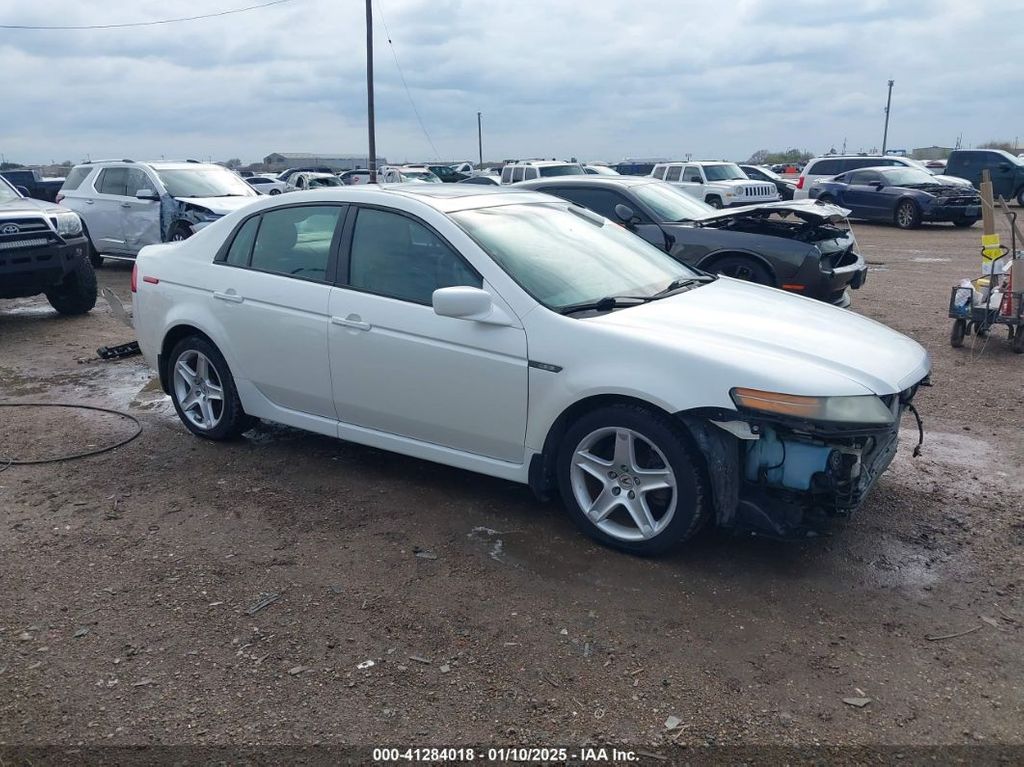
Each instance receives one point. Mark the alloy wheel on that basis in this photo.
(623, 483)
(198, 389)
(905, 215)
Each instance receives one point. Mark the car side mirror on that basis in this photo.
(23, 191)
(878, 185)
(1004, 166)
(464, 302)
(626, 214)
(146, 194)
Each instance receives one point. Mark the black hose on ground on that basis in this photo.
(7, 462)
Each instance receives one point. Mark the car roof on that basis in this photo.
(445, 198)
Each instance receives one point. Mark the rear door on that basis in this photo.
(104, 211)
(271, 297)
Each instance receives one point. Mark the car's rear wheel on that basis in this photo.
(1017, 340)
(630, 479)
(713, 201)
(965, 223)
(956, 335)
(179, 232)
(1020, 198)
(908, 215)
(272, 192)
(743, 268)
(76, 294)
(203, 390)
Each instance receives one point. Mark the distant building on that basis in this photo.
(278, 161)
(931, 153)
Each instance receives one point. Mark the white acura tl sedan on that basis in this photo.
(517, 335)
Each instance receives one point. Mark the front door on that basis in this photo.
(140, 219)
(399, 368)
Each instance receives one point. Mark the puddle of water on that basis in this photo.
(931, 260)
(489, 536)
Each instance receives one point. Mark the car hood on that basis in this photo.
(778, 339)
(29, 205)
(952, 180)
(806, 210)
(219, 205)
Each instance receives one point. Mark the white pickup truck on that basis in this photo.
(719, 184)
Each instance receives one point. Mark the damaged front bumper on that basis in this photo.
(787, 477)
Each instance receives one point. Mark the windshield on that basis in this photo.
(907, 177)
(7, 192)
(724, 172)
(547, 171)
(670, 204)
(204, 182)
(563, 258)
(419, 175)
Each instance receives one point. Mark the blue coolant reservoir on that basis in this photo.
(785, 463)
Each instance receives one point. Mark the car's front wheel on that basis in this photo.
(743, 268)
(76, 293)
(908, 215)
(274, 192)
(179, 232)
(630, 480)
(713, 201)
(965, 223)
(203, 390)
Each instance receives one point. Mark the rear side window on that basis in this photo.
(660, 172)
(241, 247)
(674, 173)
(506, 174)
(296, 242)
(530, 174)
(826, 168)
(517, 173)
(113, 181)
(75, 178)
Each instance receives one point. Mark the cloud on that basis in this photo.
(601, 79)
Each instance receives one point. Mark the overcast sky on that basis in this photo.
(597, 79)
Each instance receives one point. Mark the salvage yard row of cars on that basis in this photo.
(532, 327)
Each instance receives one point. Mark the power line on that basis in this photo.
(401, 74)
(147, 23)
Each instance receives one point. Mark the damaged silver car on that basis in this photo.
(125, 205)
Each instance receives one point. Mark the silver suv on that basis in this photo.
(125, 205)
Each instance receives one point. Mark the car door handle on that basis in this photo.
(352, 321)
(232, 297)
(126, 204)
(89, 202)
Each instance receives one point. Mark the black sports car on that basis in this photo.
(799, 246)
(900, 195)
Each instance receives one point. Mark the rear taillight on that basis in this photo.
(60, 198)
(800, 183)
(135, 277)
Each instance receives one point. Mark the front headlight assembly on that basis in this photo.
(68, 224)
(865, 409)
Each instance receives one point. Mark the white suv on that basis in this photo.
(530, 170)
(125, 205)
(719, 184)
(405, 174)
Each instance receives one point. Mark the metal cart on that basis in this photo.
(967, 317)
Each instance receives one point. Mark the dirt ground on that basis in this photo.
(131, 580)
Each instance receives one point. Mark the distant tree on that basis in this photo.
(765, 157)
(67, 163)
(10, 165)
(760, 157)
(233, 163)
(1006, 146)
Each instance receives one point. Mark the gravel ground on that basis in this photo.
(131, 607)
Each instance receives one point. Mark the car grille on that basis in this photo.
(758, 190)
(32, 233)
(963, 200)
(839, 258)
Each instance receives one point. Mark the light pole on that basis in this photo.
(372, 160)
(888, 105)
(480, 138)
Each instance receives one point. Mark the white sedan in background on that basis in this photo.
(519, 336)
(267, 185)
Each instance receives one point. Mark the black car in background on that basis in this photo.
(900, 195)
(785, 186)
(1005, 170)
(447, 173)
(798, 246)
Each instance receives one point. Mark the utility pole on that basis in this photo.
(480, 138)
(372, 159)
(888, 105)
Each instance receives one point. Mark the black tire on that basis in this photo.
(231, 418)
(826, 199)
(956, 335)
(272, 192)
(94, 257)
(1020, 198)
(714, 201)
(179, 232)
(689, 509)
(908, 215)
(965, 223)
(76, 294)
(743, 268)
(1017, 342)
